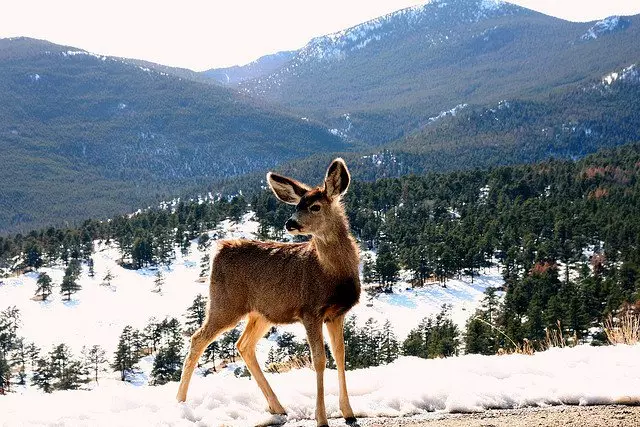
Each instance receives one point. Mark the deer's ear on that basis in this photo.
(337, 180)
(286, 189)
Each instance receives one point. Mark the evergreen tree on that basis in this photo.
(209, 355)
(368, 270)
(45, 286)
(68, 372)
(70, 283)
(167, 365)
(389, 344)
(204, 242)
(228, 345)
(153, 333)
(95, 358)
(5, 375)
(387, 267)
(437, 337)
(92, 271)
(108, 278)
(33, 352)
(158, 282)
(125, 358)
(205, 266)
(274, 358)
(196, 313)
(43, 376)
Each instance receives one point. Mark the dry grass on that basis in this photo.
(293, 362)
(623, 329)
(556, 338)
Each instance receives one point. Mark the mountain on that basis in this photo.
(381, 80)
(263, 66)
(567, 123)
(87, 135)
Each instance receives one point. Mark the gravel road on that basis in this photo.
(555, 416)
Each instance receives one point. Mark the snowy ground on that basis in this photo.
(578, 376)
(97, 314)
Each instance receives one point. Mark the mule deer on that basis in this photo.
(276, 283)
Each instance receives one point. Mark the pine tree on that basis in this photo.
(153, 333)
(5, 375)
(9, 324)
(389, 344)
(204, 242)
(196, 313)
(92, 271)
(20, 358)
(167, 365)
(68, 372)
(70, 283)
(209, 355)
(33, 352)
(158, 282)
(478, 338)
(43, 376)
(125, 358)
(228, 344)
(45, 286)
(387, 267)
(108, 277)
(368, 270)
(274, 358)
(205, 266)
(371, 338)
(95, 358)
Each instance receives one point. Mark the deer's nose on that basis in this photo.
(292, 224)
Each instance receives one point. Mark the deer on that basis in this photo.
(270, 283)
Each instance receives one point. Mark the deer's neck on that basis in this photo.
(337, 251)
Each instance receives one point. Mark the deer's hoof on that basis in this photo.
(352, 422)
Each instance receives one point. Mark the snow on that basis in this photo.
(573, 376)
(97, 314)
(604, 26)
(406, 307)
(629, 73)
(452, 112)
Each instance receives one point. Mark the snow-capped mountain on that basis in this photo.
(391, 74)
(607, 25)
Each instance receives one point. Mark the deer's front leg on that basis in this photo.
(316, 343)
(335, 328)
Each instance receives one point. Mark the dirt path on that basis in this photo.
(555, 416)
(578, 416)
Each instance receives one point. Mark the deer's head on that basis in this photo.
(318, 210)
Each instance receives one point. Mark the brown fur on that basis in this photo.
(275, 283)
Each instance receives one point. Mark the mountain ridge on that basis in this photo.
(70, 114)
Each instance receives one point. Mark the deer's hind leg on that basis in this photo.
(214, 325)
(256, 327)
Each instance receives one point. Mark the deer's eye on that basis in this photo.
(314, 208)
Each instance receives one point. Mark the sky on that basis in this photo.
(199, 34)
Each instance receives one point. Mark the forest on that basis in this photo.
(565, 234)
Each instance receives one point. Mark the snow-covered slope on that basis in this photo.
(578, 376)
(97, 314)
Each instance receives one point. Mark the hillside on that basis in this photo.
(86, 135)
(568, 123)
(382, 79)
(261, 67)
(525, 258)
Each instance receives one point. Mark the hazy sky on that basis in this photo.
(206, 34)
